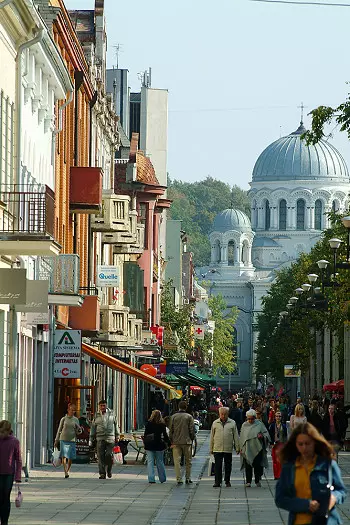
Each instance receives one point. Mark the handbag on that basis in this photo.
(56, 458)
(19, 497)
(321, 516)
(211, 465)
(117, 455)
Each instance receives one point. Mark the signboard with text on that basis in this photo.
(67, 354)
(107, 276)
(177, 367)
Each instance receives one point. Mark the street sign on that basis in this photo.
(107, 276)
(67, 354)
(177, 367)
(199, 331)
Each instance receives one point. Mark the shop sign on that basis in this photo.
(13, 286)
(290, 371)
(199, 331)
(34, 318)
(67, 354)
(107, 276)
(177, 367)
(37, 297)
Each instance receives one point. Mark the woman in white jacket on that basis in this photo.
(223, 438)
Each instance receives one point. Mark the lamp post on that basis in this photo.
(334, 243)
(322, 264)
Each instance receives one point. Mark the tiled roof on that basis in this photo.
(145, 169)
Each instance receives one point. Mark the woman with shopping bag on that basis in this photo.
(10, 468)
(156, 440)
(69, 428)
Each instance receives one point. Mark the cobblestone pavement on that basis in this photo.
(128, 498)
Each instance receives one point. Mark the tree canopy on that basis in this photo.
(197, 204)
(292, 341)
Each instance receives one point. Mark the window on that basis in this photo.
(300, 214)
(283, 215)
(335, 206)
(267, 215)
(231, 253)
(318, 215)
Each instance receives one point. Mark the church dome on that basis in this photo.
(289, 158)
(230, 219)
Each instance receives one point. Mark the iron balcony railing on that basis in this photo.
(29, 210)
(62, 272)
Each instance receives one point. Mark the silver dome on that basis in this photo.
(289, 158)
(230, 219)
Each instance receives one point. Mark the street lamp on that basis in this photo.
(293, 300)
(312, 277)
(306, 287)
(299, 291)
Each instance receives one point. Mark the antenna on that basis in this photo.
(117, 51)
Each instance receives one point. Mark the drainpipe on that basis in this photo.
(78, 80)
(90, 235)
(38, 38)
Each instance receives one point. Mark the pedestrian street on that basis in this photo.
(128, 498)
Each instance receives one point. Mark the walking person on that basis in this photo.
(105, 430)
(181, 436)
(10, 468)
(278, 434)
(253, 444)
(223, 438)
(68, 429)
(298, 418)
(310, 486)
(156, 440)
(315, 417)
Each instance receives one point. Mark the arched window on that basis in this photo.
(335, 206)
(231, 253)
(217, 253)
(267, 215)
(254, 215)
(318, 215)
(283, 215)
(300, 214)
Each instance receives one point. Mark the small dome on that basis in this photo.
(289, 158)
(230, 219)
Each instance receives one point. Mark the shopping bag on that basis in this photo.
(211, 465)
(19, 497)
(56, 458)
(117, 455)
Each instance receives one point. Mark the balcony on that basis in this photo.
(27, 220)
(63, 274)
(135, 330)
(86, 317)
(116, 215)
(114, 325)
(85, 190)
(136, 247)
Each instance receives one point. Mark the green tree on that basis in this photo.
(177, 325)
(292, 341)
(223, 338)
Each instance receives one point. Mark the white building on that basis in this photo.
(293, 187)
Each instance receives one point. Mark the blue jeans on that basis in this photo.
(158, 456)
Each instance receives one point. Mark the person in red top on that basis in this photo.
(10, 468)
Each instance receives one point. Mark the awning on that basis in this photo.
(337, 386)
(115, 364)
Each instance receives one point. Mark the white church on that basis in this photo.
(293, 187)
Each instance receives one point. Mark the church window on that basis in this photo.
(255, 215)
(335, 206)
(217, 252)
(267, 215)
(231, 253)
(283, 215)
(318, 215)
(300, 214)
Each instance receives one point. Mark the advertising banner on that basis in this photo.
(37, 297)
(290, 371)
(107, 276)
(67, 354)
(177, 367)
(13, 286)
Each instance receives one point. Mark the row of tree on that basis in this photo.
(291, 340)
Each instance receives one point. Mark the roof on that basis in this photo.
(264, 242)
(231, 219)
(145, 169)
(290, 158)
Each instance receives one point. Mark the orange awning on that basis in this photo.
(118, 365)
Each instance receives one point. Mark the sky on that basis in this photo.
(236, 71)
